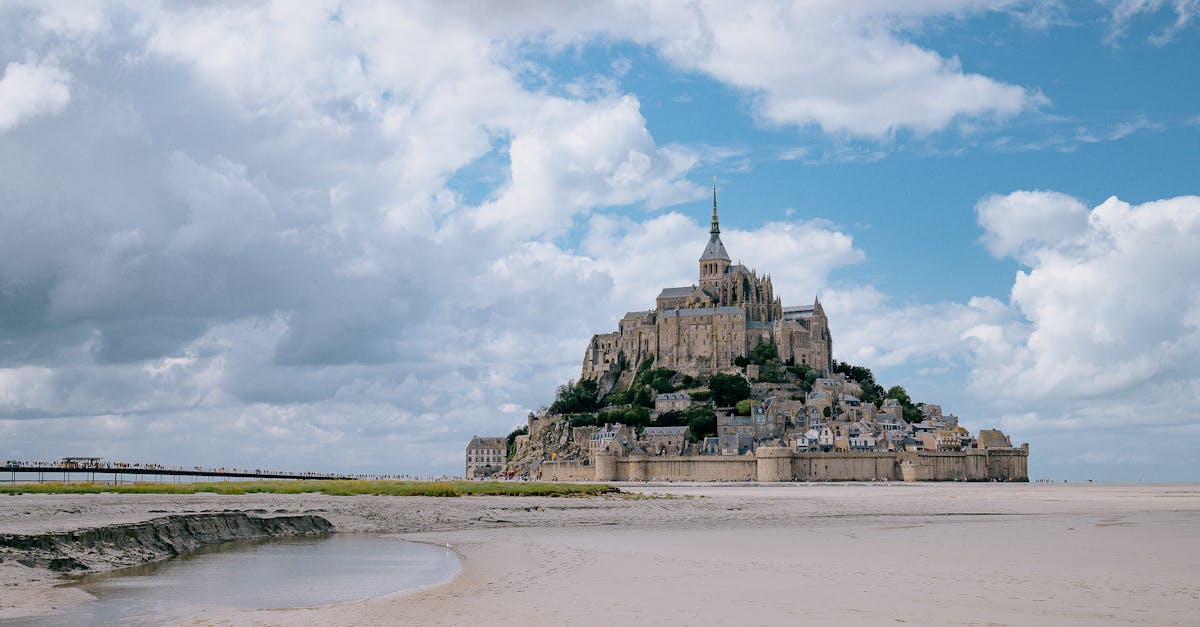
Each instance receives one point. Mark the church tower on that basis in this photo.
(715, 260)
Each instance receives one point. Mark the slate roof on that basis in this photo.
(673, 396)
(675, 292)
(795, 313)
(663, 431)
(715, 249)
(703, 311)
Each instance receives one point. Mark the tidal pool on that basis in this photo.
(265, 574)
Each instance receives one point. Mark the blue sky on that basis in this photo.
(350, 235)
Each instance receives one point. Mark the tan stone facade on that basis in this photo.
(705, 327)
(769, 464)
(485, 456)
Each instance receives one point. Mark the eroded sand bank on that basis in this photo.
(841, 553)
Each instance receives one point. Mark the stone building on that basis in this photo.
(703, 328)
(665, 440)
(485, 456)
(672, 401)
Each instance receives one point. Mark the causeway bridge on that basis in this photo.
(86, 469)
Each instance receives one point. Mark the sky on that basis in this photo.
(347, 236)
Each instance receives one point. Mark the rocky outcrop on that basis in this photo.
(550, 439)
(115, 546)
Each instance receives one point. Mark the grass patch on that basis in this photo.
(332, 488)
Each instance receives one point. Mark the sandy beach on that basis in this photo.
(746, 554)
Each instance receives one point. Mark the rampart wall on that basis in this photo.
(770, 464)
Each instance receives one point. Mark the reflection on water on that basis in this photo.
(280, 573)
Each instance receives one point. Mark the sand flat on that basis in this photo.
(751, 554)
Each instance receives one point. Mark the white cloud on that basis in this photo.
(1109, 308)
(32, 90)
(838, 65)
(871, 329)
(1126, 11)
(1023, 220)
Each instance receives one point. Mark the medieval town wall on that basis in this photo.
(566, 471)
(771, 464)
(853, 466)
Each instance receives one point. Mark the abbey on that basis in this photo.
(703, 328)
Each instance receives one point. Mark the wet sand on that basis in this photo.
(756, 554)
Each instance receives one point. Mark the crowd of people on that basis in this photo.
(95, 463)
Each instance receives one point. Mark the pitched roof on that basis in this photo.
(673, 396)
(663, 431)
(701, 311)
(675, 292)
(795, 313)
(714, 250)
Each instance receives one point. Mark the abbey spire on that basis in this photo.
(714, 252)
(716, 225)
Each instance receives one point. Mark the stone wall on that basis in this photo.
(565, 471)
(770, 464)
(852, 466)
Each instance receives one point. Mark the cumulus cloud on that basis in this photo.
(31, 90)
(1110, 308)
(840, 66)
(844, 67)
(1019, 222)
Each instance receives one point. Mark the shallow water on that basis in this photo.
(279, 573)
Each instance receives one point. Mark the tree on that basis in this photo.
(806, 376)
(743, 407)
(910, 411)
(574, 398)
(899, 394)
(871, 390)
(701, 422)
(585, 420)
(772, 372)
(657, 378)
(827, 412)
(728, 389)
(632, 416)
(644, 397)
(511, 441)
(764, 352)
(741, 361)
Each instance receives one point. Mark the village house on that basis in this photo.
(608, 434)
(861, 437)
(769, 423)
(664, 440)
(993, 438)
(485, 456)
(736, 443)
(806, 441)
(672, 401)
(731, 424)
